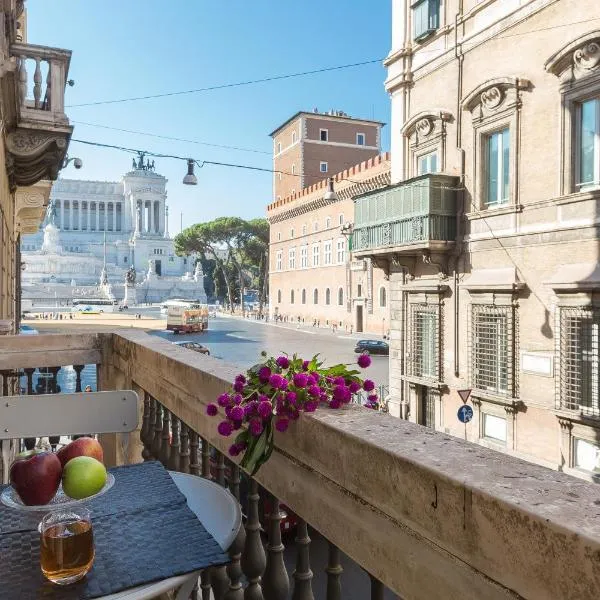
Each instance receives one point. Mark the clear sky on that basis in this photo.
(142, 47)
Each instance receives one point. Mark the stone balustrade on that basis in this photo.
(425, 514)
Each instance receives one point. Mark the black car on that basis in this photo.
(372, 347)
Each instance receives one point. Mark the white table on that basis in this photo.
(219, 512)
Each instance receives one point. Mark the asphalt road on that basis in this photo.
(241, 341)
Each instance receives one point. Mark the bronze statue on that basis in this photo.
(130, 275)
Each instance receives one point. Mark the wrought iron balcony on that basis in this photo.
(427, 515)
(409, 217)
(38, 128)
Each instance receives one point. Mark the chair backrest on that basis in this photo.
(64, 414)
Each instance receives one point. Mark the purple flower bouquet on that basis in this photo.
(272, 395)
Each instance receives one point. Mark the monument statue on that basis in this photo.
(51, 212)
(130, 297)
(130, 275)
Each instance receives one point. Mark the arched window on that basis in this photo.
(316, 296)
(303, 296)
(292, 297)
(341, 297)
(382, 297)
(278, 296)
(327, 296)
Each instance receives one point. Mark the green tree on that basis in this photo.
(255, 256)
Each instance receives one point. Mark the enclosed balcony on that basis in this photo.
(407, 218)
(425, 515)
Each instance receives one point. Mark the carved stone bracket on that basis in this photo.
(495, 95)
(441, 263)
(30, 206)
(576, 60)
(34, 155)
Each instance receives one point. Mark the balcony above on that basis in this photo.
(38, 128)
(410, 218)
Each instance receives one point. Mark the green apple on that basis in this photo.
(82, 477)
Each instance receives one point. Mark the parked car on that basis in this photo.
(27, 330)
(195, 346)
(372, 347)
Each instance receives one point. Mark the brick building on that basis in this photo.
(489, 232)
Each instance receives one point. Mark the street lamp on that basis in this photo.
(190, 178)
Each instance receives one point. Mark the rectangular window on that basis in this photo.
(589, 144)
(315, 255)
(304, 257)
(279, 260)
(424, 346)
(578, 359)
(323, 167)
(292, 233)
(492, 351)
(278, 147)
(359, 291)
(360, 139)
(498, 167)
(426, 18)
(427, 163)
(327, 253)
(324, 135)
(494, 427)
(586, 455)
(341, 251)
(292, 258)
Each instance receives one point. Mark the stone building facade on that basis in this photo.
(313, 278)
(489, 232)
(35, 135)
(309, 147)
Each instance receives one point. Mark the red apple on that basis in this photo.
(83, 446)
(36, 476)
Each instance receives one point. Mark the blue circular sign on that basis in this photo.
(465, 413)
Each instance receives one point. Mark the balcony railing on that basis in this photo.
(415, 214)
(425, 514)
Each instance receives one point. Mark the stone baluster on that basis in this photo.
(145, 430)
(377, 588)
(165, 448)
(302, 575)
(253, 560)
(78, 369)
(220, 468)
(29, 375)
(184, 451)
(234, 569)
(54, 389)
(23, 79)
(276, 583)
(48, 97)
(194, 454)
(206, 459)
(37, 82)
(334, 572)
(157, 441)
(219, 578)
(173, 463)
(149, 441)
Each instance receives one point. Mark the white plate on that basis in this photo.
(10, 498)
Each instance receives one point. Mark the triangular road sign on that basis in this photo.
(464, 395)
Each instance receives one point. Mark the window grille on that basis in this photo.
(578, 359)
(424, 356)
(493, 349)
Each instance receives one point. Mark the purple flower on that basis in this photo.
(372, 405)
(228, 412)
(368, 385)
(263, 398)
(250, 408)
(300, 380)
(265, 409)
(284, 384)
(238, 386)
(275, 381)
(256, 427)
(223, 400)
(238, 448)
(329, 379)
(364, 360)
(240, 378)
(237, 399)
(314, 390)
(225, 428)
(283, 362)
(305, 365)
(354, 387)
(341, 393)
(323, 397)
(339, 381)
(212, 410)
(282, 424)
(335, 403)
(236, 413)
(263, 374)
(315, 376)
(237, 425)
(372, 398)
(310, 406)
(310, 380)
(294, 414)
(291, 397)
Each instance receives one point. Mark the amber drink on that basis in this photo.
(67, 545)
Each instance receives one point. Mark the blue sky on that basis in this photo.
(136, 48)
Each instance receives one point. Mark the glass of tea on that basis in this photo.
(67, 545)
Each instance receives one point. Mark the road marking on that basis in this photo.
(241, 337)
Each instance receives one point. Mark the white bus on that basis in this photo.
(93, 305)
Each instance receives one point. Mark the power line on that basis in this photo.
(171, 138)
(230, 85)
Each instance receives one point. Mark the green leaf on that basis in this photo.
(242, 436)
(255, 452)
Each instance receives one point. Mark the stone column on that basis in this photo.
(150, 217)
(97, 216)
(114, 216)
(156, 216)
(89, 210)
(80, 214)
(62, 214)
